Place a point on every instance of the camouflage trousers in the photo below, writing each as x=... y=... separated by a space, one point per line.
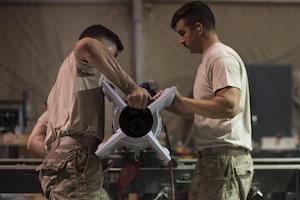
x=222 y=177
x=71 y=172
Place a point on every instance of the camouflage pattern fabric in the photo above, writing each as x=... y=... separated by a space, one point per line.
x=72 y=172
x=222 y=177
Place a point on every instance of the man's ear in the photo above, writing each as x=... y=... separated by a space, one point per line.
x=199 y=26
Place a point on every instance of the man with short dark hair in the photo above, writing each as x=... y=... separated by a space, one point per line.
x=220 y=107
x=74 y=120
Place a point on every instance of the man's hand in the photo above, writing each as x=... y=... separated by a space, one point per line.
x=177 y=99
x=139 y=98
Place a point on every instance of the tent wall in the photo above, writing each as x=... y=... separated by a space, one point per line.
x=36 y=37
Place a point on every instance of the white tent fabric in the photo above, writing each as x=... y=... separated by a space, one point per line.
x=36 y=37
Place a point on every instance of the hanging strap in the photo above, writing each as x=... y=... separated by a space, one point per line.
x=170 y=162
x=126 y=177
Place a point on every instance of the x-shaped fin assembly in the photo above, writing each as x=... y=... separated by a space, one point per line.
x=136 y=129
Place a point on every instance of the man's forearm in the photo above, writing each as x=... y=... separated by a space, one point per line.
x=36 y=140
x=98 y=56
x=37 y=146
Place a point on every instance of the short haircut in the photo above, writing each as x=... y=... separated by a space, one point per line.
x=192 y=12
x=99 y=31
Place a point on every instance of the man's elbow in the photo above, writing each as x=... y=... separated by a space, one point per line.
x=83 y=47
x=232 y=112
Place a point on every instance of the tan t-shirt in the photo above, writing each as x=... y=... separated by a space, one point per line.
x=221 y=67
x=76 y=101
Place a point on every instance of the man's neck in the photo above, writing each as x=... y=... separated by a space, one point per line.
x=210 y=38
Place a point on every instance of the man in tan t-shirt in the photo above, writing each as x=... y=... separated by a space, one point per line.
x=68 y=133
x=220 y=108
